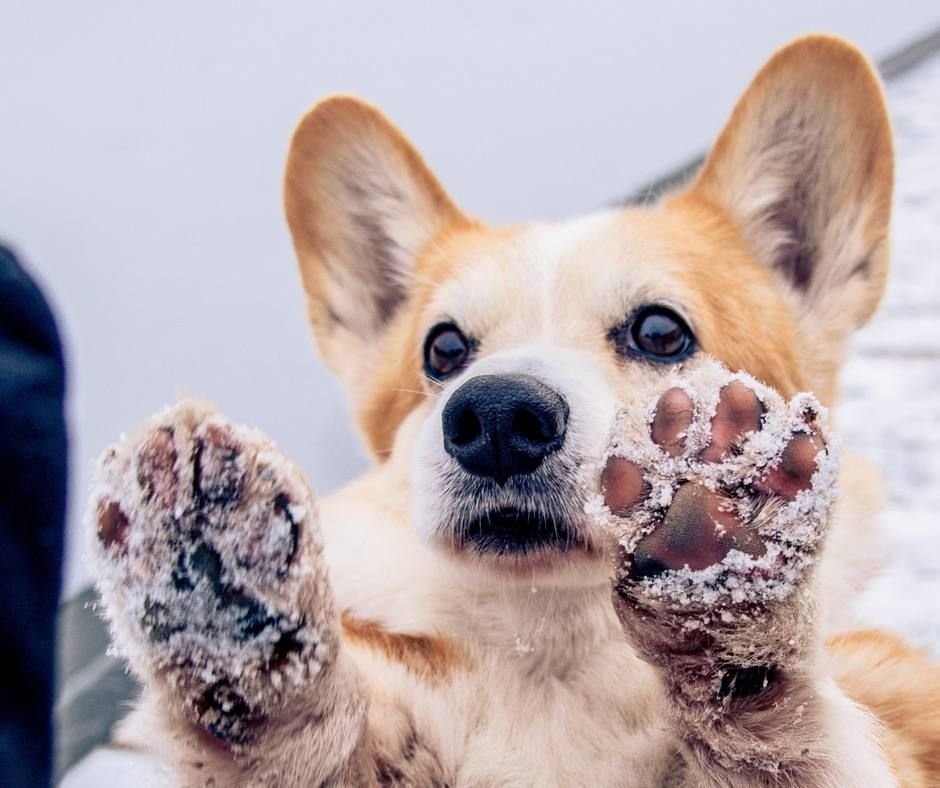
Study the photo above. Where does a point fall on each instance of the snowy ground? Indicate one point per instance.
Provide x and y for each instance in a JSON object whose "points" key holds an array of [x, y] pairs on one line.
{"points": [[891, 407]]}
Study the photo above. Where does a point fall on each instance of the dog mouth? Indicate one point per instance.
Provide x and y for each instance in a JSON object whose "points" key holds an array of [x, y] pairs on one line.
{"points": [[516, 533]]}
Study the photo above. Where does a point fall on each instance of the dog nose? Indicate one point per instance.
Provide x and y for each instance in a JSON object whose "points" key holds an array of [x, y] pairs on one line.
{"points": [[499, 426]]}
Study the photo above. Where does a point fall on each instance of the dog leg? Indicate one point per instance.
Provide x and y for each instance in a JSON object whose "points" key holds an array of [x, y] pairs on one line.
{"points": [[208, 560], [720, 496]]}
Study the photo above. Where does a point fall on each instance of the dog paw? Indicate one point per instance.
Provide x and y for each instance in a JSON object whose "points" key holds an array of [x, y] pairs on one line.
{"points": [[719, 495], [207, 555]]}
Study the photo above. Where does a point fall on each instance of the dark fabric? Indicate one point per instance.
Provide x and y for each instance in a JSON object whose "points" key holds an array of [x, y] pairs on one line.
{"points": [[32, 513]]}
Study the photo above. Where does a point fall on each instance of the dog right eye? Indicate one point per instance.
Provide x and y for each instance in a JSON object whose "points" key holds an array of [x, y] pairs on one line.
{"points": [[446, 351], [656, 333]]}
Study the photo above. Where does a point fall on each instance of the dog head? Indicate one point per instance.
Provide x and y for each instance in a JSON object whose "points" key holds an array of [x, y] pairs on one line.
{"points": [[491, 361]]}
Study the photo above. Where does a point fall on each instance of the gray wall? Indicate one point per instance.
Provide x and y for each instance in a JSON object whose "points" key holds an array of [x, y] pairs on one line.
{"points": [[143, 145]]}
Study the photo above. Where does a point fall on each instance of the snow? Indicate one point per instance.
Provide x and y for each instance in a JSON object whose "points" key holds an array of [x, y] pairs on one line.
{"points": [[161, 579], [791, 529], [891, 408], [146, 150], [119, 768]]}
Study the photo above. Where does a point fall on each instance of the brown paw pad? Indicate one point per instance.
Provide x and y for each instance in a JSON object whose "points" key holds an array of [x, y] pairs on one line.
{"points": [[623, 485], [794, 472], [113, 525], [699, 530], [671, 419], [738, 412]]}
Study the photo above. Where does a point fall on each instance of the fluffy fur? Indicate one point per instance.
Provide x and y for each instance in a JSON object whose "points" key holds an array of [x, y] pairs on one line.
{"points": [[426, 664]]}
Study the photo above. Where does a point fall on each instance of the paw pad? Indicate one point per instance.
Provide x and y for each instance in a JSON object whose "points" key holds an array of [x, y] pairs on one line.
{"points": [[623, 485], [699, 529], [727, 480], [671, 421], [795, 471], [112, 525], [200, 526], [156, 467], [738, 413], [225, 713], [218, 464]]}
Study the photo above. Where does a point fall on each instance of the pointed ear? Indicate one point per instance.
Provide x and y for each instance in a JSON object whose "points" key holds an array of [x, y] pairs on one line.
{"points": [[805, 168], [361, 205]]}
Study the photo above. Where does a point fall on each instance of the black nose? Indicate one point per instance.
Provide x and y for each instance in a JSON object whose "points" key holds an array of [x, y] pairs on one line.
{"points": [[503, 425]]}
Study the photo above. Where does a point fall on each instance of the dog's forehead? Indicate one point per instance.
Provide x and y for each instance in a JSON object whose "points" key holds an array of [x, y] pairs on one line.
{"points": [[560, 280]]}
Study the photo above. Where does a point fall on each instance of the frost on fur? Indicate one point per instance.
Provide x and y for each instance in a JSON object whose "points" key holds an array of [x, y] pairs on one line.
{"points": [[198, 530], [788, 528], [719, 495]]}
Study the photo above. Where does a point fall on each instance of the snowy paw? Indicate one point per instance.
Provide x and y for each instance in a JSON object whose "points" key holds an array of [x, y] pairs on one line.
{"points": [[719, 495], [207, 556]]}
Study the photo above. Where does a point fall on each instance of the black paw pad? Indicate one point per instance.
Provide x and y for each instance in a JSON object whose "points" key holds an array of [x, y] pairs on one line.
{"points": [[226, 714], [159, 621], [218, 465], [748, 682]]}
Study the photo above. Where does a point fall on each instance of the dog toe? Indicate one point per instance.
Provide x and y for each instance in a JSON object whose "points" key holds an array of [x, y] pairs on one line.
{"points": [[219, 464], [738, 413], [112, 525], [623, 485], [794, 472], [671, 421], [156, 459]]}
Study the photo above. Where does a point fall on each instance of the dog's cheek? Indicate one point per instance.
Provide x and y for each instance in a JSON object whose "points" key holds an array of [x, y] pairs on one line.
{"points": [[420, 451]]}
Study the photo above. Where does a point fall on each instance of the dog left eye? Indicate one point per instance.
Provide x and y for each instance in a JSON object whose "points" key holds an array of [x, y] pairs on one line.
{"points": [[655, 332], [446, 350]]}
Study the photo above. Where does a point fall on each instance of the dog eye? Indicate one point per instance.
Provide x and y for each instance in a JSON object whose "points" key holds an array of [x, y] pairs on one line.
{"points": [[657, 333], [445, 351]]}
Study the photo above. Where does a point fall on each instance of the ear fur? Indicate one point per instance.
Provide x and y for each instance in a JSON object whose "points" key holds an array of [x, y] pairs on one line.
{"points": [[361, 206], [804, 167]]}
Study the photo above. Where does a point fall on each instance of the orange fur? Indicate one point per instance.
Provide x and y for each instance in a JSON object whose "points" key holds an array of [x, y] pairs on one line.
{"points": [[741, 317], [715, 242], [450, 666], [901, 687], [433, 658], [816, 106]]}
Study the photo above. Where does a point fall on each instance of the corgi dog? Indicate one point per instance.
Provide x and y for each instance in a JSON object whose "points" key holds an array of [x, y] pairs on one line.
{"points": [[608, 538]]}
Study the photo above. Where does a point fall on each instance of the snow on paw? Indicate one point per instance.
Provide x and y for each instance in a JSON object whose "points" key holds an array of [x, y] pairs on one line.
{"points": [[698, 530], [208, 560], [718, 493]]}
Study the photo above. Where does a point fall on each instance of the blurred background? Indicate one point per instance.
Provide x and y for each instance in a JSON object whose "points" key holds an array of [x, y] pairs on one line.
{"points": [[143, 147]]}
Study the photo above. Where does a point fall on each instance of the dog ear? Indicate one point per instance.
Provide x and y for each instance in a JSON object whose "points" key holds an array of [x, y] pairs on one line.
{"points": [[361, 205], [804, 167]]}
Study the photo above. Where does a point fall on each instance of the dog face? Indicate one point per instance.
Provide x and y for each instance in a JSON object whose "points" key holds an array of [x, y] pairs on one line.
{"points": [[492, 361]]}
